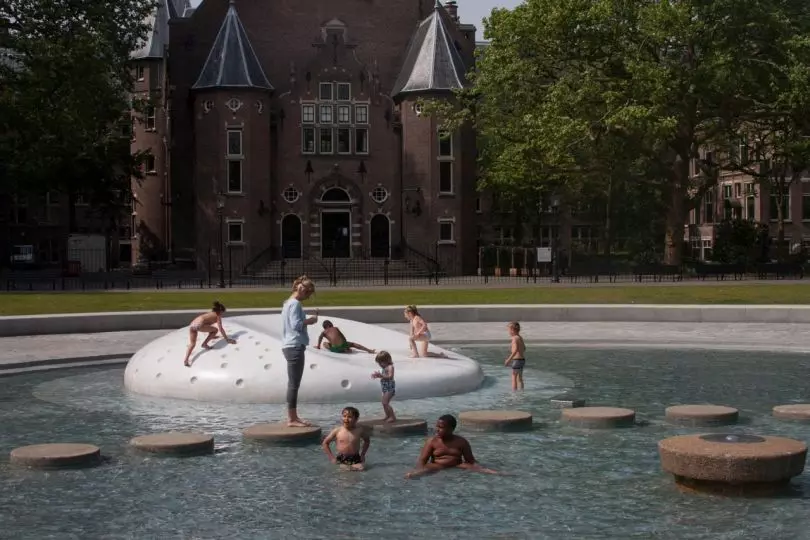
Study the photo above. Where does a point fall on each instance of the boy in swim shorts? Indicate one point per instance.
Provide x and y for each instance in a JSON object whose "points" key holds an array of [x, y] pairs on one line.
{"points": [[336, 342], [517, 356], [348, 440]]}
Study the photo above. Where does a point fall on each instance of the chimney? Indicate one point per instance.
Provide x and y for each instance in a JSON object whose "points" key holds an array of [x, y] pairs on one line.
{"points": [[452, 9]]}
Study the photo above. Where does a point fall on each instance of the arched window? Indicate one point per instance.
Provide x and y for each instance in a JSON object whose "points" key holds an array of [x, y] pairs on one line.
{"points": [[336, 195]]}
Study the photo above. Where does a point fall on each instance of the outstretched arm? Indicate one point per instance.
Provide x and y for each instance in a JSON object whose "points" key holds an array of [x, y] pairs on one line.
{"points": [[222, 330], [421, 463], [328, 441], [320, 340], [469, 460]]}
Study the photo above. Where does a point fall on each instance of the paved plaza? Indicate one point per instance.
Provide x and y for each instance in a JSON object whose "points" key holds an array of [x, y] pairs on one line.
{"points": [[42, 352]]}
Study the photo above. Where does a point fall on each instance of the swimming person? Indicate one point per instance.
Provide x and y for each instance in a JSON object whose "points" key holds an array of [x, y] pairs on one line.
{"points": [[348, 439], [419, 333], [336, 342], [387, 384], [446, 451], [205, 323], [294, 341], [517, 355]]}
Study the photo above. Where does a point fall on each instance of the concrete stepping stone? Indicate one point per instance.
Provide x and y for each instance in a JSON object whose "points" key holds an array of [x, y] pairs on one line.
{"points": [[280, 433], [702, 415], [175, 443], [795, 411], [599, 417], [56, 455], [487, 420], [402, 427]]}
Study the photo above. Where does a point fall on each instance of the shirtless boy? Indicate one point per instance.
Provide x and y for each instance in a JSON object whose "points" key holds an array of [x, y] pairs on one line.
{"points": [[207, 323], [517, 355], [446, 451], [348, 439], [336, 342]]}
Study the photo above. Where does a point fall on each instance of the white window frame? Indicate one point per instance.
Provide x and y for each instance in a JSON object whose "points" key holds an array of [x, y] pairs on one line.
{"points": [[451, 164], [140, 73], [377, 189], [348, 110], [452, 223], [241, 153], [343, 85], [337, 140], [323, 85], [308, 107], [439, 138], [241, 175], [150, 160], [326, 119], [358, 108], [150, 117], [787, 218], [332, 139], [235, 221], [295, 199], [314, 131], [368, 142]]}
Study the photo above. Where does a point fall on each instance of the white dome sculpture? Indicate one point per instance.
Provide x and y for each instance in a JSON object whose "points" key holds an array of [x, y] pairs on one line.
{"points": [[255, 371]]}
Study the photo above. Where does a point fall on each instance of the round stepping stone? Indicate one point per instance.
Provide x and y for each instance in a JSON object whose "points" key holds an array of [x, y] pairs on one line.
{"points": [[732, 463], [702, 415], [599, 417], [56, 455], [565, 401], [496, 420], [175, 443], [280, 433], [403, 426], [796, 411]]}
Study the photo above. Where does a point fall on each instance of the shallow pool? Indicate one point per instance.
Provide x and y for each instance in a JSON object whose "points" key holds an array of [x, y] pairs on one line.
{"points": [[567, 483]]}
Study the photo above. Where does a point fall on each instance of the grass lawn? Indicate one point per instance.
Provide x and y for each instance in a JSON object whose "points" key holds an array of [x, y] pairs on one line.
{"points": [[36, 303]]}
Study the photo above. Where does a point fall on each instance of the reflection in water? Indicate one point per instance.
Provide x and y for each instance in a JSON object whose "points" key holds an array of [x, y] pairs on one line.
{"points": [[568, 483]]}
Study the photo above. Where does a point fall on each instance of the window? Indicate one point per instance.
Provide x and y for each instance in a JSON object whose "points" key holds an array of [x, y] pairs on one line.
{"points": [[308, 114], [445, 144], [806, 207], [291, 194], [325, 91], [325, 137], [234, 176], [707, 250], [361, 141], [344, 114], [235, 232], [751, 208], [379, 194], [344, 91], [708, 207], [749, 188], [446, 231], [326, 114], [149, 164], [727, 191], [774, 214], [445, 177], [140, 73], [361, 114], [150, 118], [478, 209], [234, 143], [308, 140], [737, 189], [344, 143]]}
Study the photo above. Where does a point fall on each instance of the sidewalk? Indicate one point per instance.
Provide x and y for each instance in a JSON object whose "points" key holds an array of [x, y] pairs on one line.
{"points": [[46, 352]]}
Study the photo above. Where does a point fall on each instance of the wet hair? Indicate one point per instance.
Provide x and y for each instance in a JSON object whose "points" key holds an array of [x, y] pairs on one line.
{"points": [[327, 324], [384, 358], [514, 325], [305, 282], [449, 420], [218, 307], [352, 411], [412, 309]]}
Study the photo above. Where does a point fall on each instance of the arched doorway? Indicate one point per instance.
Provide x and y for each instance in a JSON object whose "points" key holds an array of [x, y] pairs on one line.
{"points": [[380, 236], [291, 237], [336, 223]]}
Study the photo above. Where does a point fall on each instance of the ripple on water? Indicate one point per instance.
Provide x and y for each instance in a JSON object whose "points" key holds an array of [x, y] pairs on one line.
{"points": [[568, 483]]}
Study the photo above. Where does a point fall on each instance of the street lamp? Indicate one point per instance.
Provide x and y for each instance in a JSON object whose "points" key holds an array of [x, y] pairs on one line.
{"points": [[555, 239], [221, 249]]}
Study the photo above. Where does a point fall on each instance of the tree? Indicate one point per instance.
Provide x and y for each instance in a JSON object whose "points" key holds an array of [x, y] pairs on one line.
{"points": [[64, 97], [659, 80]]}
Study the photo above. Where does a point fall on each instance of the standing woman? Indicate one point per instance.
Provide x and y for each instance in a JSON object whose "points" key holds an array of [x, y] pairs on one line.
{"points": [[294, 341]]}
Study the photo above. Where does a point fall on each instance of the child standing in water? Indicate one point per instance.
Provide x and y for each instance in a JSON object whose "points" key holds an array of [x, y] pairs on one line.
{"points": [[205, 323], [517, 356], [348, 439], [387, 384]]}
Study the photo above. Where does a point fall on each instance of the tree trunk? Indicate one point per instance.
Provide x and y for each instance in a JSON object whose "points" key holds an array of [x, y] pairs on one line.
{"points": [[608, 233], [676, 218]]}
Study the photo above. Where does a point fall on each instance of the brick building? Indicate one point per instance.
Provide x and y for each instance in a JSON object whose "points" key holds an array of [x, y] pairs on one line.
{"points": [[293, 130]]}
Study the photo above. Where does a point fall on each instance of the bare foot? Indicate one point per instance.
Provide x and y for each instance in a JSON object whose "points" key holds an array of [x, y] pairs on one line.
{"points": [[187, 363], [358, 467], [207, 346], [298, 422], [413, 355], [390, 420]]}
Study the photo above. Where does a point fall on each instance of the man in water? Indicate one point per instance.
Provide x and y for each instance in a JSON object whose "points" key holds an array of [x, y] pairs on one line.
{"points": [[348, 439], [336, 342], [446, 450]]}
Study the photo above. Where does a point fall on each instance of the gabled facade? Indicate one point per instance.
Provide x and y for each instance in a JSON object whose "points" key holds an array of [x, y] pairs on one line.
{"points": [[294, 130]]}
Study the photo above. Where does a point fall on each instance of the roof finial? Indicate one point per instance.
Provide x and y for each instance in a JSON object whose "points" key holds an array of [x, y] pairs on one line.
{"points": [[438, 5]]}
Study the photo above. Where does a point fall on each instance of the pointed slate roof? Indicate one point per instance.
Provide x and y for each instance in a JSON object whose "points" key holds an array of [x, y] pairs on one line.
{"points": [[433, 63], [157, 37], [232, 62]]}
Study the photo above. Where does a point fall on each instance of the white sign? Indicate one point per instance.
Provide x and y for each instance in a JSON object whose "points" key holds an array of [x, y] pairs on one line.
{"points": [[543, 255]]}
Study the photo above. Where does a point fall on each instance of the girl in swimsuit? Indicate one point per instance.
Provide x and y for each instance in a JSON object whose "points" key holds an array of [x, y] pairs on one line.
{"points": [[419, 332], [205, 323], [387, 384]]}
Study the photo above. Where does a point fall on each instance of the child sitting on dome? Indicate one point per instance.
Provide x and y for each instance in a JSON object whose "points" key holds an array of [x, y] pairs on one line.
{"points": [[420, 333], [336, 342], [205, 323]]}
